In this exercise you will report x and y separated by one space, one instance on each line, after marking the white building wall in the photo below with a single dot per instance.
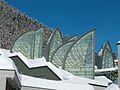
33 88
2 83
98 88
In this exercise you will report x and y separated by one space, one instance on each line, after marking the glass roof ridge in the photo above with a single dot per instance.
75 59
55 35
80 38
107 56
60 47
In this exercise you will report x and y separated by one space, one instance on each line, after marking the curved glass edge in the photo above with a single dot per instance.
58 56
107 57
80 58
29 44
73 38
54 42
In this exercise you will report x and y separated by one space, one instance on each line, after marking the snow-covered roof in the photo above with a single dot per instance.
7 64
30 62
106 70
38 62
65 76
4 52
103 79
91 81
51 84
68 77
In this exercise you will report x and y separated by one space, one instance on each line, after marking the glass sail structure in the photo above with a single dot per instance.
107 58
30 44
59 54
73 38
79 59
54 42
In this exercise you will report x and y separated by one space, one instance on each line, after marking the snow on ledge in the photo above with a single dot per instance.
106 70
52 84
7 64
103 79
116 60
38 62
4 52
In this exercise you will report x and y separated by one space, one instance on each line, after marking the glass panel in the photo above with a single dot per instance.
107 60
80 58
55 42
57 58
38 43
73 38
29 44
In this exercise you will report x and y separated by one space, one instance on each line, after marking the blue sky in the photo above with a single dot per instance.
77 17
